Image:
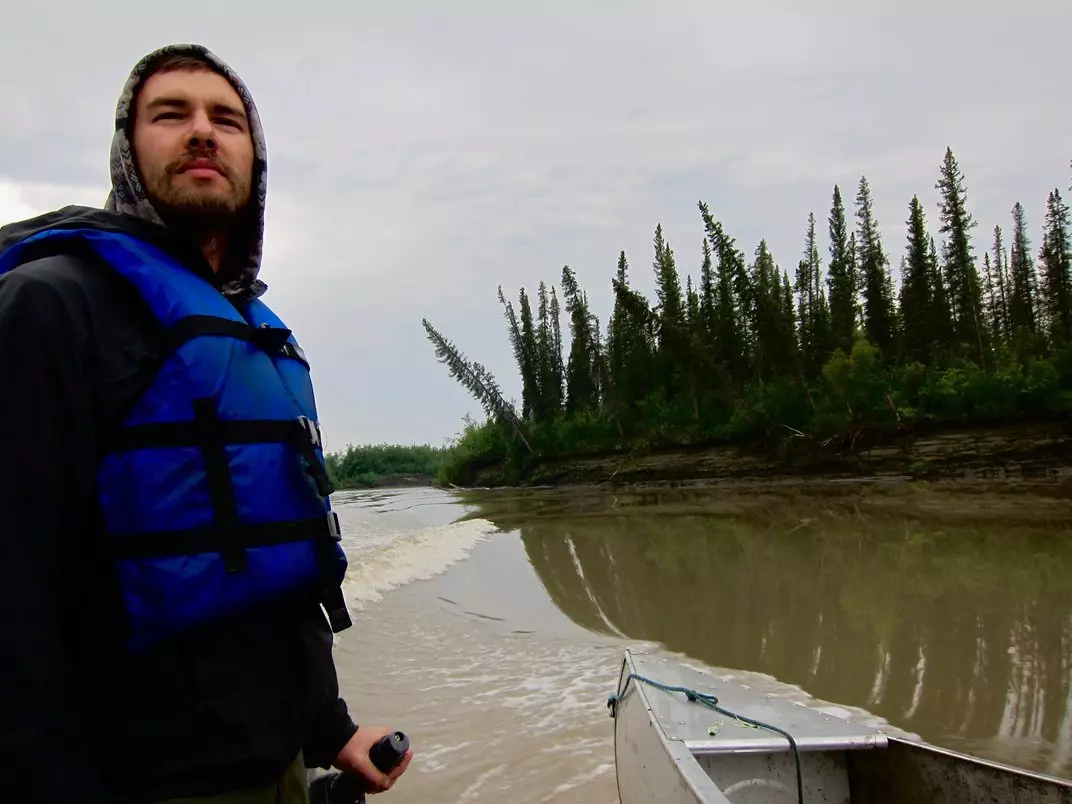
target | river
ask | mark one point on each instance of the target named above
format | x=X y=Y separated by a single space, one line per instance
x=490 y=625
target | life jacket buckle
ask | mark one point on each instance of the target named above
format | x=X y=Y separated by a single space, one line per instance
x=270 y=339
x=295 y=352
x=311 y=440
x=312 y=429
x=334 y=529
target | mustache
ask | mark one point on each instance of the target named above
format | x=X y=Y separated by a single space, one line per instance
x=177 y=164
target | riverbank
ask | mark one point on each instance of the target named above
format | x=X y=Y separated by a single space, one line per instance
x=1038 y=450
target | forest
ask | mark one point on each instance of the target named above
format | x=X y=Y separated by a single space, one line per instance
x=839 y=354
x=371 y=465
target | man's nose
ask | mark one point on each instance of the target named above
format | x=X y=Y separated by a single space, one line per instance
x=202 y=132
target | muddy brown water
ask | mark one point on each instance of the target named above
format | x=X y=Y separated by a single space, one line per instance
x=490 y=625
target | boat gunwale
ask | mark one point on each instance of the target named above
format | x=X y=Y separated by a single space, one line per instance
x=764 y=745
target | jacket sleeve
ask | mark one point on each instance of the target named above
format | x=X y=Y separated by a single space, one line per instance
x=333 y=730
x=46 y=474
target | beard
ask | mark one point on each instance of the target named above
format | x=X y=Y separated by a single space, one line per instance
x=197 y=205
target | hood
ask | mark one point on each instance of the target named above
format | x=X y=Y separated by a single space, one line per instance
x=127 y=195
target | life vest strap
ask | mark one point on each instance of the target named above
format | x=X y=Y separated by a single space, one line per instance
x=237 y=431
x=207 y=431
x=302 y=433
x=161 y=544
x=273 y=340
x=335 y=605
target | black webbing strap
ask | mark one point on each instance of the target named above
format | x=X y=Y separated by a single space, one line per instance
x=324 y=530
x=218 y=476
x=335 y=605
x=269 y=339
x=195 y=326
x=332 y=598
x=302 y=433
x=187 y=434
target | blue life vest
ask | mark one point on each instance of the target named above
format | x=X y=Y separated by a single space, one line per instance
x=213 y=490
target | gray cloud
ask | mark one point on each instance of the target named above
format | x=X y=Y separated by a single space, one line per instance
x=418 y=159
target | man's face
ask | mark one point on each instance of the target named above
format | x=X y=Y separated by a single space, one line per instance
x=192 y=145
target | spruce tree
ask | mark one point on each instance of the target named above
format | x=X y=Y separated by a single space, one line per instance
x=480 y=382
x=730 y=327
x=1000 y=312
x=773 y=354
x=1022 y=303
x=917 y=302
x=991 y=306
x=527 y=355
x=941 y=318
x=812 y=310
x=854 y=273
x=708 y=298
x=557 y=363
x=961 y=274
x=1056 y=269
x=598 y=359
x=580 y=382
x=618 y=341
x=841 y=278
x=875 y=276
x=530 y=378
x=672 y=340
x=546 y=407
x=692 y=307
x=630 y=349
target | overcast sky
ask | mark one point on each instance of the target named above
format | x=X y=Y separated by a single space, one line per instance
x=420 y=154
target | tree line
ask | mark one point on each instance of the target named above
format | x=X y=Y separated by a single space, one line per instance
x=383 y=464
x=751 y=351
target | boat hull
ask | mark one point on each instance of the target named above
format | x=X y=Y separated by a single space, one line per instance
x=908 y=771
x=665 y=754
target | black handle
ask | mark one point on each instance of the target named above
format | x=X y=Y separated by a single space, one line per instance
x=346 y=788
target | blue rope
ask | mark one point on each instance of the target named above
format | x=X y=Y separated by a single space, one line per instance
x=711 y=702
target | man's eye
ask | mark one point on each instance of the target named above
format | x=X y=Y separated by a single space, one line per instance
x=167 y=116
x=226 y=121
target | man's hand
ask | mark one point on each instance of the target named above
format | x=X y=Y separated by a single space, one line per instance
x=354 y=758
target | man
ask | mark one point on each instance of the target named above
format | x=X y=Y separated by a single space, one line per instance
x=167 y=549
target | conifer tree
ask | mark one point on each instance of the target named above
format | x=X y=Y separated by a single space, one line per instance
x=774 y=353
x=841 y=278
x=558 y=365
x=991 y=307
x=672 y=329
x=631 y=348
x=941 y=318
x=480 y=382
x=857 y=307
x=813 y=321
x=999 y=314
x=961 y=275
x=917 y=302
x=729 y=330
x=708 y=298
x=1022 y=304
x=618 y=341
x=523 y=357
x=548 y=359
x=875 y=276
x=580 y=382
x=1056 y=269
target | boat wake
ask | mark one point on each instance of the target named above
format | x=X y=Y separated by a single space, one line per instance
x=390 y=560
